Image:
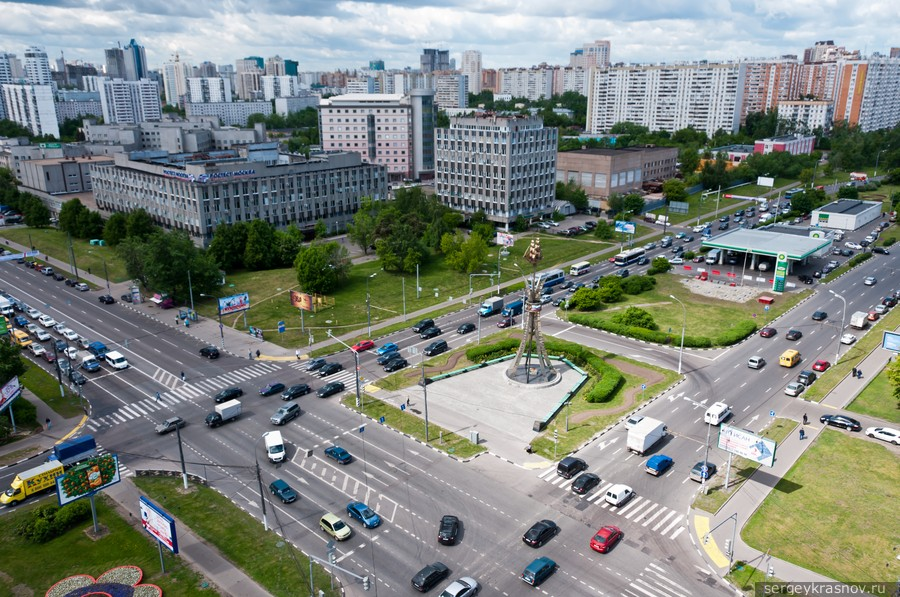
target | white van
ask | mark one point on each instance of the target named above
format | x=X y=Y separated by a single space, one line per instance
x=717 y=413
x=116 y=360
x=274 y=446
x=618 y=495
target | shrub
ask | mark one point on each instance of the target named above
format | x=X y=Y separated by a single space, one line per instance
x=741 y=330
x=586 y=299
x=50 y=521
x=638 y=284
x=857 y=259
x=659 y=265
x=486 y=352
x=610 y=290
x=635 y=317
x=889 y=241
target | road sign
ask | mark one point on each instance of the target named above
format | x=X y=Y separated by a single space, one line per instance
x=402 y=407
x=766 y=308
x=643 y=386
x=771 y=413
x=381 y=420
x=280 y=327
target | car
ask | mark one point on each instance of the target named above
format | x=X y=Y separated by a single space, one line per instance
x=58 y=277
x=540 y=532
x=881 y=309
x=126 y=298
x=71 y=282
x=330 y=369
x=285 y=414
x=870 y=281
x=794 y=388
x=846 y=253
x=467 y=327
x=687 y=239
x=889 y=301
x=881 y=250
x=448 y=529
x=64 y=365
x=649 y=246
x=283 y=491
x=426 y=578
x=676 y=261
x=463 y=587
x=632 y=421
x=585 y=482
x=329 y=389
x=334 y=526
x=295 y=391
x=606 y=538
x=681 y=235
x=723 y=226
x=170 y=424
x=46 y=321
x=643 y=261
x=436 y=348
x=853 y=245
x=703 y=470
x=848 y=339
x=271 y=388
x=422 y=325
x=106 y=299
x=41 y=335
x=76 y=377
x=794 y=335
x=386 y=348
x=841 y=421
x=83 y=342
x=872 y=316
x=32 y=328
x=59 y=327
x=71 y=352
x=821 y=365
x=69 y=335
x=228 y=394
x=363 y=345
x=431 y=332
x=20 y=321
x=338 y=454
x=364 y=514
x=819 y=316
x=315 y=364
x=885 y=434
x=538 y=571
x=388 y=357
x=659 y=464
x=817 y=275
x=678 y=250
x=82 y=287
x=558 y=302
x=36 y=349
x=506 y=322
x=767 y=332
x=61 y=345
x=210 y=352
x=545 y=299
x=395 y=365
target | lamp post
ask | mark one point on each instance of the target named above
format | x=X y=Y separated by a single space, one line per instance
x=190 y=290
x=368 y=305
x=359 y=402
x=262 y=496
x=837 y=356
x=877 y=157
x=683 y=326
x=219 y=311
x=703 y=475
x=106 y=273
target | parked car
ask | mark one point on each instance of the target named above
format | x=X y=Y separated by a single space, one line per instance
x=106 y=299
x=885 y=434
x=794 y=388
x=821 y=365
x=82 y=287
x=841 y=421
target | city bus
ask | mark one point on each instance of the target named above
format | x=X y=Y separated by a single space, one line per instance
x=629 y=257
x=580 y=268
x=549 y=279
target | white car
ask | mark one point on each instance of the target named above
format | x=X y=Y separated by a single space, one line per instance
x=885 y=434
x=870 y=281
x=46 y=321
x=32 y=328
x=82 y=287
x=33 y=313
x=699 y=228
x=69 y=335
x=36 y=349
x=795 y=388
x=83 y=342
x=41 y=335
x=881 y=309
x=71 y=353
x=676 y=261
x=852 y=245
x=60 y=327
x=848 y=339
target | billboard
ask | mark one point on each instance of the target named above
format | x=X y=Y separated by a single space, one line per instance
x=301 y=300
x=626 y=227
x=505 y=240
x=891 y=341
x=234 y=303
x=765 y=181
x=781 y=268
x=87 y=478
x=9 y=392
x=159 y=524
x=741 y=442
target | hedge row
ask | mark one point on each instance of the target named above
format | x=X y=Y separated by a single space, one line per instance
x=50 y=521
x=857 y=259
x=730 y=336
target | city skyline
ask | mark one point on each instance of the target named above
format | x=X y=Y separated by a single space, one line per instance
x=325 y=36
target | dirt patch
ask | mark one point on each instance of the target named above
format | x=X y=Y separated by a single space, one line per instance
x=649 y=377
x=736 y=294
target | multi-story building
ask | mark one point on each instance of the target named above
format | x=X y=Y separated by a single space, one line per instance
x=229 y=113
x=135 y=62
x=297 y=103
x=363 y=85
x=247 y=74
x=60 y=176
x=208 y=89
x=37 y=67
x=807 y=116
x=115 y=63
x=471 y=68
x=172 y=137
x=451 y=91
x=604 y=172
x=490 y=80
x=199 y=193
x=568 y=79
x=206 y=70
x=867 y=93
x=767 y=83
x=591 y=55
x=531 y=83
x=504 y=165
x=32 y=106
x=279 y=86
x=434 y=60
x=792 y=144
x=817 y=80
x=73 y=105
x=175 y=76
x=275 y=67
x=393 y=130
x=130 y=101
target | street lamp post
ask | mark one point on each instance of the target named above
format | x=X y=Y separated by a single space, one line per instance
x=368 y=304
x=359 y=402
x=219 y=311
x=190 y=290
x=837 y=356
x=683 y=326
x=262 y=496
x=877 y=157
x=106 y=273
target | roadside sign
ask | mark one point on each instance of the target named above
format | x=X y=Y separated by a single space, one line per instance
x=771 y=413
x=643 y=386
x=281 y=327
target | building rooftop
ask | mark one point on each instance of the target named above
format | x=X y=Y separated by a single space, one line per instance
x=770 y=241
x=733 y=148
x=371 y=98
x=847 y=206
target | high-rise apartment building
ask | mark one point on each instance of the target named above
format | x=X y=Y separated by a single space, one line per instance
x=275 y=66
x=115 y=63
x=451 y=91
x=504 y=165
x=33 y=107
x=130 y=101
x=471 y=67
x=175 y=76
x=37 y=67
x=247 y=74
x=568 y=79
x=206 y=70
x=768 y=82
x=806 y=116
x=11 y=70
x=867 y=93
x=490 y=80
x=895 y=53
x=531 y=83
x=435 y=60
x=203 y=90
x=279 y=86
x=590 y=55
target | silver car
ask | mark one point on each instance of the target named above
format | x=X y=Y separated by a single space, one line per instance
x=286 y=413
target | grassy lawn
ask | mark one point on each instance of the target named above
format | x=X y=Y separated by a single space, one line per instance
x=31 y=569
x=877 y=400
x=395 y=418
x=46 y=387
x=846 y=530
x=274 y=564
x=741 y=469
x=55 y=243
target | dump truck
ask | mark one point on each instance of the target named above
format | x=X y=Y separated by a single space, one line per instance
x=491 y=306
x=30 y=482
x=645 y=434
x=225 y=412
x=859 y=320
x=74 y=451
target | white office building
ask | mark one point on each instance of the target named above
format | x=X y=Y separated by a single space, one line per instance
x=130 y=101
x=203 y=90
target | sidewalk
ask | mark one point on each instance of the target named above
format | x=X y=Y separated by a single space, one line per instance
x=849 y=388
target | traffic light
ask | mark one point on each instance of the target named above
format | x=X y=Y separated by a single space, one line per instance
x=728 y=546
x=366 y=586
x=332 y=557
x=771 y=571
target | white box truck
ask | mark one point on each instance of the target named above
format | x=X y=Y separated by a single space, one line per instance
x=645 y=435
x=859 y=320
x=116 y=360
x=227 y=411
x=491 y=306
x=274 y=446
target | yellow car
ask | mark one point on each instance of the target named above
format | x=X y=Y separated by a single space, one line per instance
x=335 y=527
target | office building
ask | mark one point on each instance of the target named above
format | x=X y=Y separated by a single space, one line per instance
x=135 y=62
x=603 y=172
x=451 y=91
x=503 y=165
x=130 y=101
x=435 y=60
x=208 y=89
x=172 y=137
x=792 y=144
x=471 y=68
x=206 y=70
x=33 y=107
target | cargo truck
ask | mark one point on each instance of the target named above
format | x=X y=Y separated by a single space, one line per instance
x=645 y=435
x=491 y=306
x=225 y=412
x=859 y=320
x=513 y=309
x=74 y=451
x=30 y=482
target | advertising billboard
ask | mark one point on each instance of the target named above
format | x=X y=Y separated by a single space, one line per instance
x=159 y=524
x=87 y=478
x=234 y=303
x=505 y=240
x=9 y=392
x=891 y=341
x=626 y=227
x=741 y=442
x=301 y=300
x=781 y=269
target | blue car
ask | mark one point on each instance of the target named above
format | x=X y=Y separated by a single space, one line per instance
x=538 y=570
x=658 y=464
x=364 y=514
x=339 y=454
x=387 y=347
x=21 y=321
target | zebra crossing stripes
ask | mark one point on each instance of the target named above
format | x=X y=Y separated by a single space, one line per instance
x=656 y=581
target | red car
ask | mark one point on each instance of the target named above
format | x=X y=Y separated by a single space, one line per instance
x=821 y=365
x=363 y=345
x=506 y=322
x=606 y=538
x=767 y=332
x=872 y=316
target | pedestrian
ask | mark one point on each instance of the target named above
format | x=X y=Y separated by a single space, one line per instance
x=805 y=420
x=853 y=373
x=250 y=354
x=859 y=373
x=407 y=402
x=297 y=352
x=802 y=434
x=182 y=376
x=176 y=320
x=89 y=271
x=158 y=397
x=257 y=353
x=187 y=322
x=47 y=423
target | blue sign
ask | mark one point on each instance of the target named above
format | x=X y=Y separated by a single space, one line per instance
x=402 y=406
x=280 y=327
x=362 y=428
x=381 y=420
x=771 y=413
x=643 y=386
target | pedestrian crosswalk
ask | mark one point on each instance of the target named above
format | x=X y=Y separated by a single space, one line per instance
x=653 y=581
x=639 y=510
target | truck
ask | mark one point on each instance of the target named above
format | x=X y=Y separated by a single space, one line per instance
x=98 y=349
x=74 y=451
x=645 y=435
x=274 y=446
x=661 y=219
x=90 y=364
x=225 y=412
x=512 y=309
x=859 y=320
x=32 y=481
x=491 y=306
x=713 y=256
x=6 y=306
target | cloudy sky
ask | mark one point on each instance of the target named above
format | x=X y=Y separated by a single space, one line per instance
x=330 y=34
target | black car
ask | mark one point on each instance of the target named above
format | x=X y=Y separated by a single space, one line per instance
x=295 y=391
x=465 y=328
x=125 y=298
x=76 y=377
x=643 y=261
x=723 y=226
x=271 y=388
x=106 y=299
x=314 y=364
x=71 y=282
x=423 y=325
x=388 y=357
x=841 y=421
x=426 y=578
x=540 y=532
x=228 y=394
x=585 y=482
x=430 y=332
x=806 y=279
x=448 y=530
x=794 y=335
x=58 y=277
x=395 y=365
x=330 y=389
x=819 y=316
x=210 y=352
x=330 y=369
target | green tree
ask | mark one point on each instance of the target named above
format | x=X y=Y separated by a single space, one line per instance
x=69 y=216
x=848 y=193
x=321 y=267
x=610 y=290
x=802 y=202
x=893 y=376
x=674 y=190
x=258 y=253
x=806 y=176
x=482 y=226
x=11 y=363
x=635 y=317
x=89 y=224
x=140 y=224
x=659 y=265
x=36 y=213
x=362 y=230
x=520 y=224
x=464 y=254
x=604 y=230
x=689 y=158
x=321 y=229
x=616 y=203
x=633 y=203
x=586 y=299
x=288 y=242
x=228 y=245
x=573 y=193
x=132 y=251
x=115 y=229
